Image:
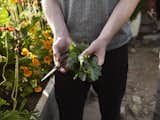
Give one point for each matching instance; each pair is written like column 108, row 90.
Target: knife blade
column 50, row 73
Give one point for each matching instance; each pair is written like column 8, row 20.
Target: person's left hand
column 97, row 47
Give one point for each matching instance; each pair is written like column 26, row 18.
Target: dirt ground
column 142, row 80
column 139, row 101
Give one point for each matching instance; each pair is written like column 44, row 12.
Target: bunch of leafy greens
column 84, row 67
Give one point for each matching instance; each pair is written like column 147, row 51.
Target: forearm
column 119, row 16
column 55, row 17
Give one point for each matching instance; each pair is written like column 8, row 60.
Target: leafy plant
column 3, row 102
column 84, row 67
column 25, row 50
column 138, row 9
column 16, row 115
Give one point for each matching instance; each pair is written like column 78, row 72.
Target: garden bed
column 25, row 54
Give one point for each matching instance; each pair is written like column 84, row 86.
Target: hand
column 61, row 48
column 98, row 48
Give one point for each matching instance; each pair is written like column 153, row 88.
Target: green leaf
column 24, row 102
column 34, row 83
column 84, row 67
column 139, row 7
column 27, row 90
column 3, row 13
column 3, row 59
column 4, row 17
column 3, row 102
column 18, row 115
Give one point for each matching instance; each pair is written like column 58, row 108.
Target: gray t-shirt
column 85, row 20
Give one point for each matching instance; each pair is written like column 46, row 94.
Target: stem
column 15, row 85
column 4, row 67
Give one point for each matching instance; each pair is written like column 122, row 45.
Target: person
column 104, row 25
column 158, row 14
column 158, row 9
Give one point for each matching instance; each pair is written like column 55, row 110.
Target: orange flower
column 38, row 89
column 51, row 39
column 9, row 28
column 14, row 1
column 35, row 61
column 47, row 44
column 47, row 60
column 27, row 73
column 17, row 1
column 24, row 52
column 25, row 68
column 20, row 0
column 2, row 29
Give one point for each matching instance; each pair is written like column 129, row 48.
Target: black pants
column 71, row 94
column 158, row 8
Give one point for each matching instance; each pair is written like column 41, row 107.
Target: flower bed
column 25, row 52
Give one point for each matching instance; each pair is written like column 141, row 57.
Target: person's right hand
column 61, row 48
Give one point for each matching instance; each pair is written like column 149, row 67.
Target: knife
column 57, row 66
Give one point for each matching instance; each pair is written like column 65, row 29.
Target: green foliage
column 138, row 9
column 2, row 58
column 3, row 102
column 4, row 16
column 25, row 49
column 16, row 115
column 85, row 67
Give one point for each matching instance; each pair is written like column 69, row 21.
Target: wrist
column 63, row 36
column 103, row 41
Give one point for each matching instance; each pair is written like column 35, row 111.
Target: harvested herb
column 84, row 67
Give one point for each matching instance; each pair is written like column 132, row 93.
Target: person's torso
column 85, row 20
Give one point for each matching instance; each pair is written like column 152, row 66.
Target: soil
column 143, row 76
column 139, row 101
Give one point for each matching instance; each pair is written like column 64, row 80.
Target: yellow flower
column 33, row 30
column 51, row 39
column 47, row 44
column 33, row 56
column 14, row 1
column 35, row 3
column 51, row 52
column 24, row 23
column 46, row 34
column 47, row 60
column 25, row 52
column 35, row 61
column 27, row 73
